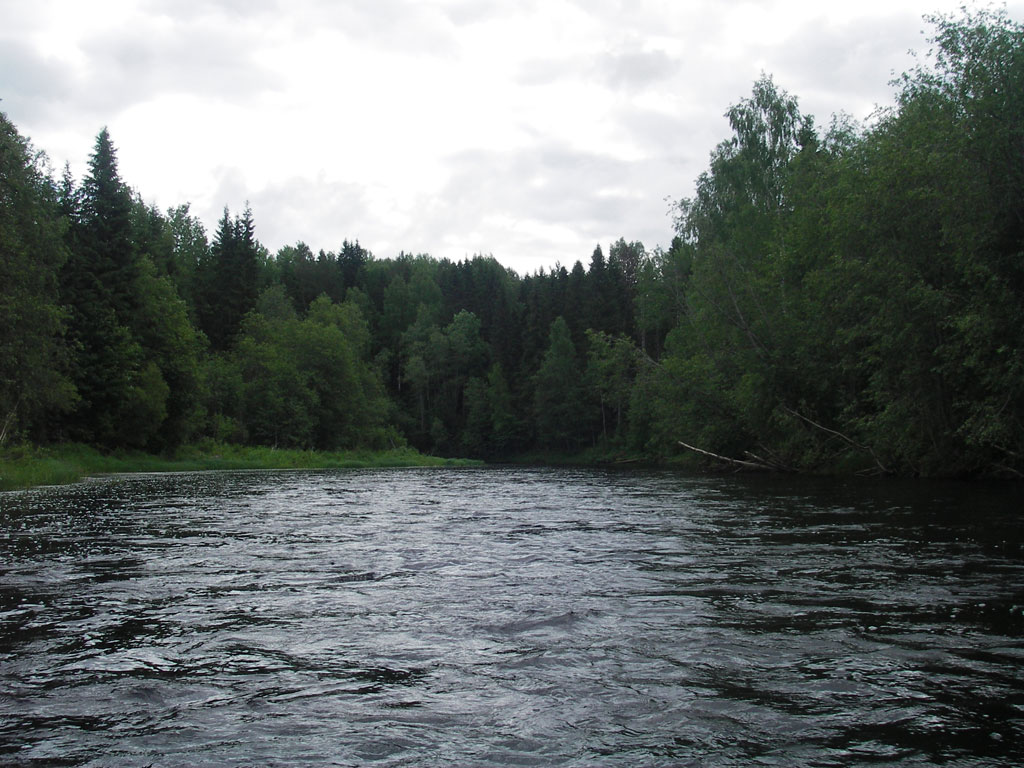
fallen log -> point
(738, 463)
(775, 465)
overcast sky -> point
(527, 129)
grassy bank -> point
(29, 466)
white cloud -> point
(530, 130)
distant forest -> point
(847, 299)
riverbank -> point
(601, 456)
(30, 466)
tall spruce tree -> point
(228, 281)
(98, 286)
(105, 239)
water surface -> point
(500, 617)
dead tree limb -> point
(739, 463)
(7, 422)
(1009, 470)
(841, 436)
(776, 465)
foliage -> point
(847, 298)
(33, 356)
(852, 295)
(227, 281)
(559, 394)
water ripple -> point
(510, 617)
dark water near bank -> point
(510, 617)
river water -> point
(500, 617)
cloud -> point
(674, 136)
(466, 13)
(233, 10)
(833, 67)
(175, 56)
(630, 70)
(292, 209)
(638, 69)
(547, 71)
(568, 196)
(32, 85)
(80, 76)
(531, 130)
(399, 27)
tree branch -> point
(8, 420)
(772, 463)
(739, 463)
(841, 436)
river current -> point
(510, 617)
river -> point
(509, 616)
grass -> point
(29, 466)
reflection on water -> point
(510, 617)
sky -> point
(530, 130)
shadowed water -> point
(500, 617)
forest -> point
(847, 299)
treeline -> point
(847, 299)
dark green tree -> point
(334, 348)
(105, 244)
(560, 407)
(228, 283)
(723, 357)
(305, 383)
(611, 369)
(122, 397)
(191, 251)
(298, 273)
(936, 253)
(33, 356)
(172, 350)
(351, 260)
